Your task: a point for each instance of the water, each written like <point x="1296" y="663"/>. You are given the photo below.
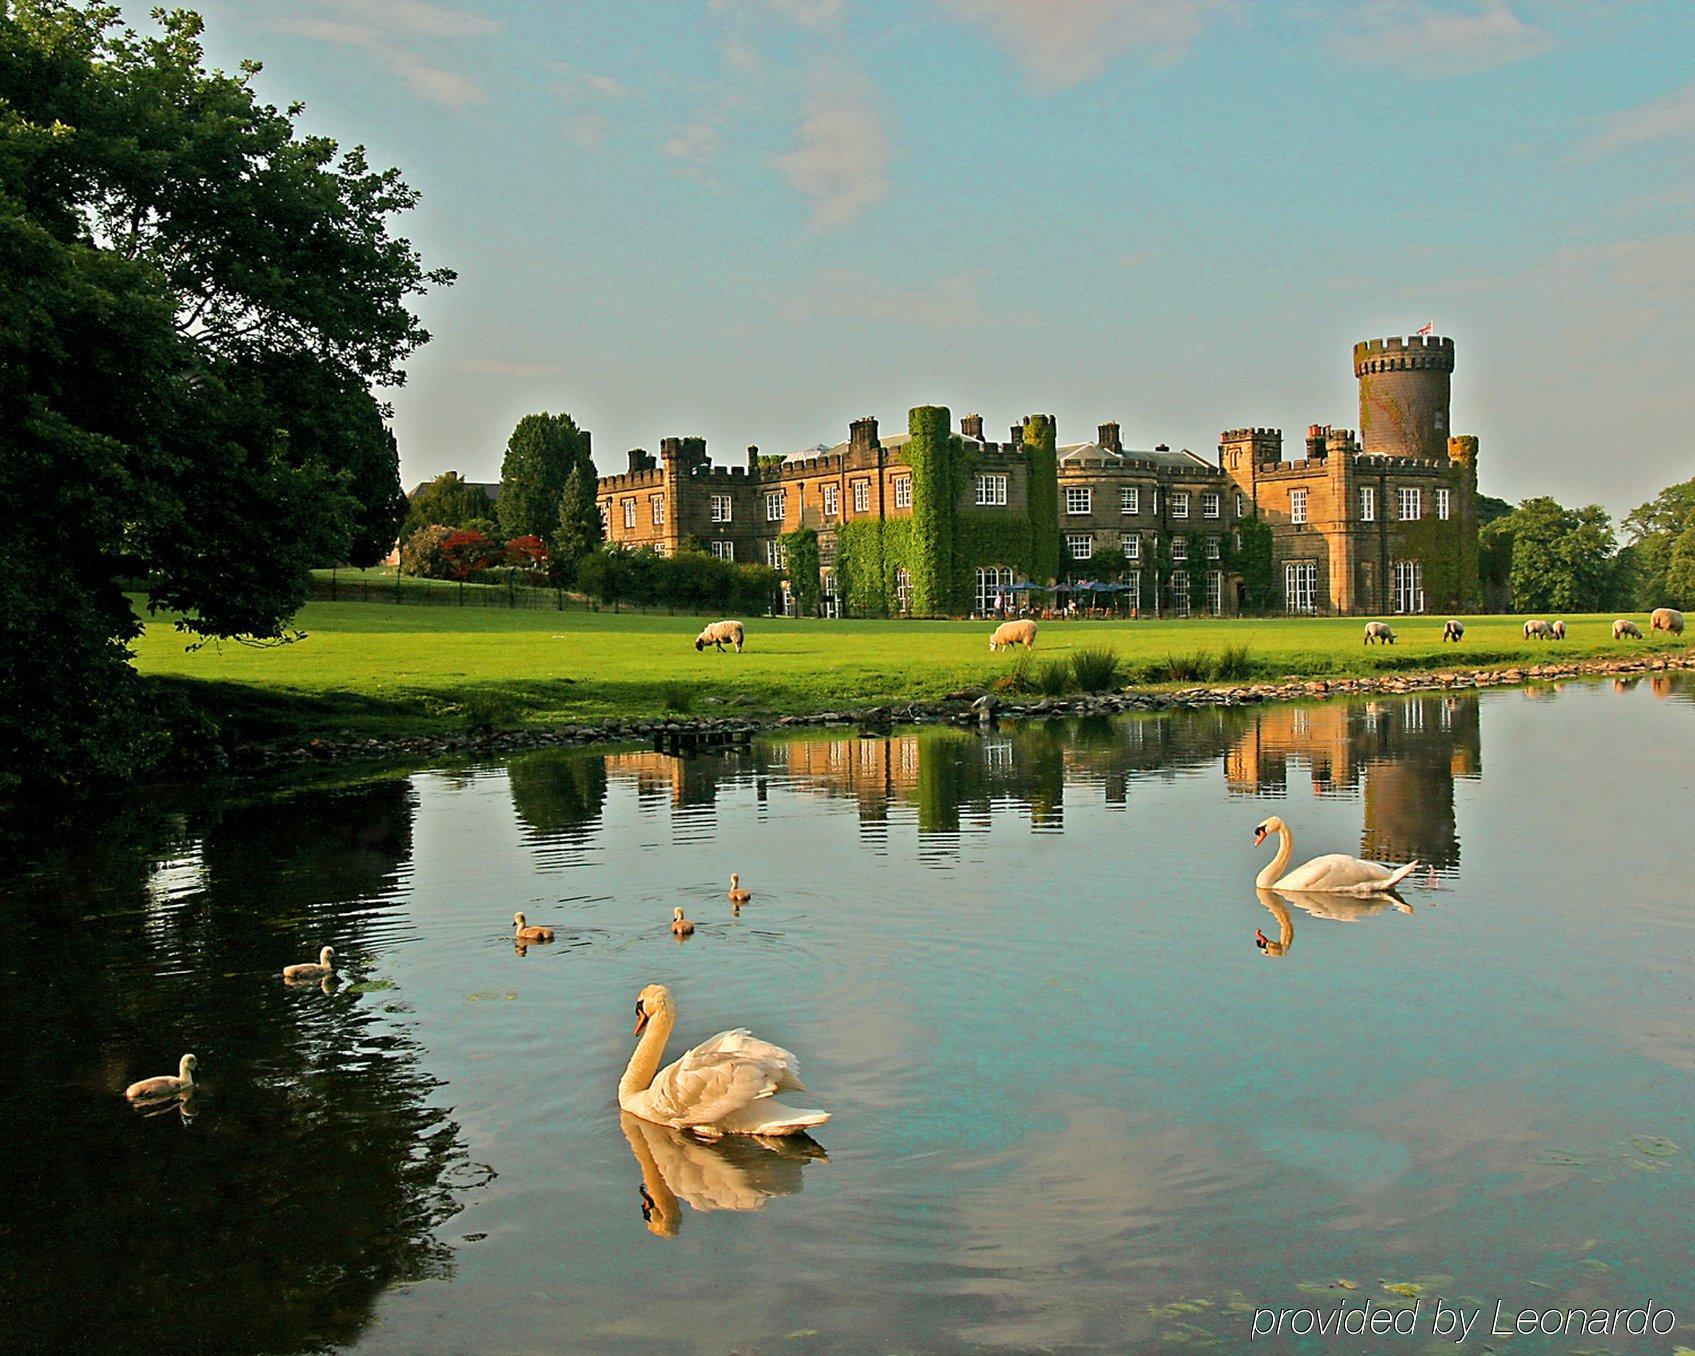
<point x="1075" y="1105"/>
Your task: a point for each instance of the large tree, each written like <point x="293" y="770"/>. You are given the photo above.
<point x="580" y="530"/>
<point x="446" y="501"/>
<point x="1563" y="560"/>
<point x="541" y="454"/>
<point x="195" y="301"/>
<point x="1655" y="529"/>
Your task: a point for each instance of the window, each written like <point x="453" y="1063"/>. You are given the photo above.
<point x="1215" y="549"/>
<point x="629" y="513"/>
<point x="1179" y="593"/>
<point x="1300" y="586"/>
<point x="1131" y="544"/>
<point x="1411" y="504"/>
<point x="832" y="500"/>
<point x="903" y="583"/>
<point x="1215" y="592"/>
<point x="991" y="491"/>
<point x="862" y="496"/>
<point x="720" y="508"/>
<point x="1368" y="503"/>
<point x="724" y="550"/>
<point x="903" y="491"/>
<point x="1079" y="499"/>
<point x="658" y="503"/>
<point x="1239" y="503"/>
<point x="1179" y="548"/>
<point x="994" y="587"/>
<point x="774" y="555"/>
<point x="1153" y="500"/>
<point x="1179" y="503"/>
<point x="1134" y="579"/>
<point x="1297" y="506"/>
<point x="827" y="549"/>
<point x="605" y="516"/>
<point x="1079" y="545"/>
<point x="1129" y="498"/>
<point x="774" y="504"/>
<point x="1444" y="504"/>
<point x="1409" y="586"/>
<point x="1212" y="504"/>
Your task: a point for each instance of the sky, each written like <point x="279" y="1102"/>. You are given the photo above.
<point x="756" y="220"/>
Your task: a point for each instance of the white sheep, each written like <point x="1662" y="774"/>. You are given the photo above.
<point x="1537" y="630"/>
<point x="719" y="634"/>
<point x="1623" y="627"/>
<point x="1667" y="619"/>
<point x="1453" y="630"/>
<point x="1380" y="632"/>
<point x="1557" y="631"/>
<point x="1012" y="633"/>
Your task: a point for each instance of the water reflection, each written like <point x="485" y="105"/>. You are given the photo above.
<point x="737" y="1172"/>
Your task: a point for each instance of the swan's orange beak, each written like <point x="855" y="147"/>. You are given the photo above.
<point x="641" y="1017"/>
<point x="1259" y="837"/>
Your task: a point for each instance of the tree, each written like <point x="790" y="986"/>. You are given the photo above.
<point x="423" y="555"/>
<point x="580" y="530"/>
<point x="1562" y="559"/>
<point x="1107" y="562"/>
<point x="530" y="555"/>
<point x="468" y="553"/>
<point x="540" y="455"/>
<point x="1679" y="588"/>
<point x="195" y="299"/>
<point x="449" y="501"/>
<point x="1654" y="529"/>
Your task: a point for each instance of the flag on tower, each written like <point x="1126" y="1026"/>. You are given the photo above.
<point x="1426" y="327"/>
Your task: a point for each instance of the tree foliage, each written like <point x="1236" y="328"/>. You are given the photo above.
<point x="579" y="529"/>
<point x="195" y="299"/>
<point x="800" y="554"/>
<point x="1656" y="530"/>
<point x="689" y="581"/>
<point x="1562" y="559"/>
<point x="449" y="501"/>
<point x="540" y="455"/>
<point x="1249" y="554"/>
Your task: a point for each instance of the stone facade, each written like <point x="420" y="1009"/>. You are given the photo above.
<point x="1389" y="526"/>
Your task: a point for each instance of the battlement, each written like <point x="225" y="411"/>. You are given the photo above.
<point x="648" y="478"/>
<point x="1426" y="352"/>
<point x="1244" y="435"/>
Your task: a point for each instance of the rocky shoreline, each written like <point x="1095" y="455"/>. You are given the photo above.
<point x="972" y="707"/>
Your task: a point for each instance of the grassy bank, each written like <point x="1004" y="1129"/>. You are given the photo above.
<point x="369" y="669"/>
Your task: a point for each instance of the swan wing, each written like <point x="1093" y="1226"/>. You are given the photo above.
<point x="1335" y="873"/>
<point x="720" y="1077"/>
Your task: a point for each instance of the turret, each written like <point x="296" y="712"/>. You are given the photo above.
<point x="1404" y="395"/>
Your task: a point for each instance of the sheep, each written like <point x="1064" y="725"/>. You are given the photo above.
<point x="1537" y="630"/>
<point x="1557" y="631"/>
<point x="1623" y="628"/>
<point x="718" y="634"/>
<point x="1667" y="619"/>
<point x="1380" y="632"/>
<point x="1011" y="633"/>
<point x="1453" y="630"/>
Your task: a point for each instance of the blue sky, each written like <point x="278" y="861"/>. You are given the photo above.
<point x="755" y="220"/>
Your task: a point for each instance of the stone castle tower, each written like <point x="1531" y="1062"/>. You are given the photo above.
<point x="1404" y="391"/>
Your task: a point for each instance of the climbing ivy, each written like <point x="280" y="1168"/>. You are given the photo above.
<point x="800" y="552"/>
<point x="1039" y="439"/>
<point x="869" y="556"/>
<point x="935" y="497"/>
<point x="1253" y="560"/>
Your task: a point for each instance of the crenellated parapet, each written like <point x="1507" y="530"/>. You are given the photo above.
<point x="1426" y="352"/>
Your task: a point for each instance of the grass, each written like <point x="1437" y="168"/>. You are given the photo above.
<point x="374" y="669"/>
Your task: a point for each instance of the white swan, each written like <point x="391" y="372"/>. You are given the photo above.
<point x="723" y="1086"/>
<point x="1333" y="874"/>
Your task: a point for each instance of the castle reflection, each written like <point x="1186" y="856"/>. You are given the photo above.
<point x="1399" y="757"/>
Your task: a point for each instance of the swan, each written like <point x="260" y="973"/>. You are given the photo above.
<point x="680" y="926"/>
<point x="723" y="1086"/>
<point x="1333" y="874"/>
<point x="728" y="1174"/>
<point x="321" y="969"/>
<point x="737" y="895"/>
<point x="165" y="1085"/>
<point x="526" y="932"/>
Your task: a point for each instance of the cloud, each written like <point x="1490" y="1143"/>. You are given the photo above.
<point x="1670" y="117"/>
<point x="861" y="298"/>
<point x="388" y="30"/>
<point x="1069" y="42"/>
<point x="842" y="162"/>
<point x="1431" y="42"/>
<point x="574" y="83"/>
<point x="696" y="143"/>
<point x="806" y="13"/>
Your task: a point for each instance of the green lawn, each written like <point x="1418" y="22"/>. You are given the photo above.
<point x="370" y="668"/>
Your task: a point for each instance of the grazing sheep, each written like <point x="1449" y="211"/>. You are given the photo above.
<point x="1012" y="633"/>
<point x="1623" y="628"/>
<point x="1557" y="631"/>
<point x="1380" y="632"/>
<point x="720" y="634"/>
<point x="1454" y="631"/>
<point x="1667" y="619"/>
<point x="1537" y="630"/>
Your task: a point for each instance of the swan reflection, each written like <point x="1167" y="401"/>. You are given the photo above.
<point x="1337" y="908"/>
<point x="1285" y="926"/>
<point x="737" y="1172"/>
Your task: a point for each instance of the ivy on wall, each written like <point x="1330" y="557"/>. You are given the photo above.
<point x="934" y="500"/>
<point x="1039" y="447"/>
<point x="869" y="556"/>
<point x="1253" y="560"/>
<point x="800" y="552"/>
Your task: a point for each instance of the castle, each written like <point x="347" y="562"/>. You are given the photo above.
<point x="934" y="522"/>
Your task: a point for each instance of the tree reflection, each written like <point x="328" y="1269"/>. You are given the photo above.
<point x="559" y="797"/>
<point x="310" y="1171"/>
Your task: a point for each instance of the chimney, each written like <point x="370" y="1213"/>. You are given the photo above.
<point x="1315" y="440"/>
<point x="1017" y="439"/>
<point x="752" y="458"/>
<point x="639" y="460"/>
<point x="1162" y="447"/>
<point x="1109" y="438"/>
<point x="862" y="436"/>
<point x="971" y="425"/>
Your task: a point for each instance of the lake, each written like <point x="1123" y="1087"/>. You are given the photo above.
<point x="1076" y="1104"/>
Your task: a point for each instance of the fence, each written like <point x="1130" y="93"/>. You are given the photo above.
<point x="438" y="593"/>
